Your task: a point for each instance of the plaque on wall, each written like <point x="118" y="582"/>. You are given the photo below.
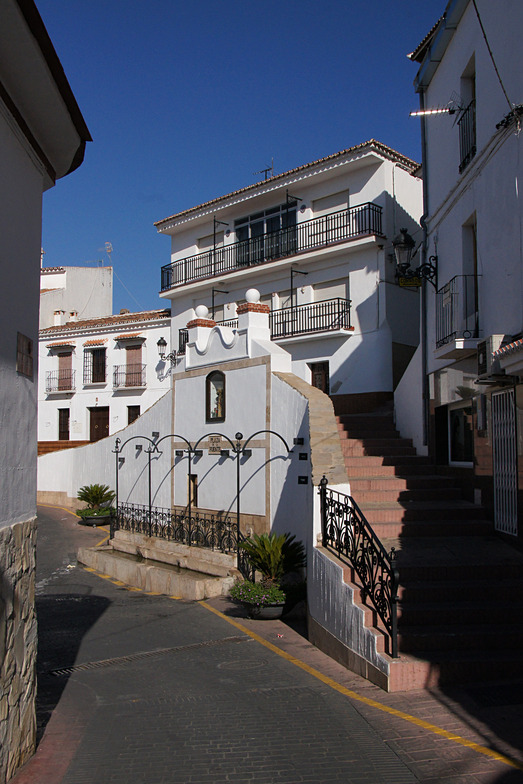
<point x="215" y="445"/>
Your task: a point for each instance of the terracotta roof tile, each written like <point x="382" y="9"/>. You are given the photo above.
<point x="64" y="344"/>
<point x="419" y="52"/>
<point x="45" y="270"/>
<point x="107" y="321"/>
<point x="510" y="348"/>
<point x="129" y="336"/>
<point x="372" y="145"/>
<point x="95" y="342"/>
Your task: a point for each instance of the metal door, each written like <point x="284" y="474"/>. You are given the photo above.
<point x="505" y="467"/>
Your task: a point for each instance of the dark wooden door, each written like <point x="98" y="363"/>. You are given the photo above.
<point x="63" y="424"/>
<point x="320" y="376"/>
<point x="99" y="423"/>
<point x="65" y="374"/>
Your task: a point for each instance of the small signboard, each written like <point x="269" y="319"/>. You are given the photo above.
<point x="215" y="445"/>
<point x="414" y="281"/>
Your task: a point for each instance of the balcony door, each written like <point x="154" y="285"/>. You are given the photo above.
<point x="65" y="365"/>
<point x="133" y="366"/>
<point x="266" y="235"/>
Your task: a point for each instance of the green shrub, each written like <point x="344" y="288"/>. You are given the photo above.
<point x="257" y="593"/>
<point x="274" y="555"/>
<point x="95" y="496"/>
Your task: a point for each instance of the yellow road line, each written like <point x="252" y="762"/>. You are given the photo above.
<point x="53" y="506"/>
<point x="372" y="703"/>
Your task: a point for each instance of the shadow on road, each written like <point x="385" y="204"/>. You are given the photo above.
<point x="63" y="620"/>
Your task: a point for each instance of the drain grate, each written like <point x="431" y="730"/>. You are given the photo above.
<point x="96" y="665"/>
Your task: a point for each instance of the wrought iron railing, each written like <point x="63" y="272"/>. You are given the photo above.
<point x="364" y="219"/>
<point x="467" y="135"/>
<point x="60" y="380"/>
<point x="457" y="311"/>
<point x="200" y="529"/>
<point x="346" y="531"/>
<point x="331" y="314"/>
<point x="129" y="376"/>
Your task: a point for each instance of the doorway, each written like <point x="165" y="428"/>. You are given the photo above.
<point x="99" y="423"/>
<point x="320" y="376"/>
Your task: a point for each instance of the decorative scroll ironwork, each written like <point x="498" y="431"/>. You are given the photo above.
<point x="346" y="531"/>
<point x="201" y="529"/>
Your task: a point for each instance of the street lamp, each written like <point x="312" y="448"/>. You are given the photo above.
<point x="403" y="245"/>
<point x="162" y="345"/>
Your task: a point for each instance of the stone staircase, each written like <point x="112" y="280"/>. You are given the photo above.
<point x="460" y="608"/>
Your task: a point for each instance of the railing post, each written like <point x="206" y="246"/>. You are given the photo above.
<point x="323" y="509"/>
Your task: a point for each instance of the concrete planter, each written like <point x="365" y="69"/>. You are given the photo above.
<point x="267" y="612"/>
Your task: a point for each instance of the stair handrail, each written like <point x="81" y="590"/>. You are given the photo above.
<point x="345" y="530"/>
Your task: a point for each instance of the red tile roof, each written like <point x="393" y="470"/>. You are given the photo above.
<point x="510" y="348"/>
<point x="372" y="145"/>
<point x="129" y="336"/>
<point x="107" y="321"/>
<point x="95" y="342"/>
<point x="419" y="52"/>
<point x="45" y="270"/>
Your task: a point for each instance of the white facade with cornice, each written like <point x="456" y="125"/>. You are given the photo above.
<point x="98" y="375"/>
<point x="316" y="242"/>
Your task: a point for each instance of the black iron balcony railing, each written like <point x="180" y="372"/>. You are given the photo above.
<point x="363" y="220"/>
<point x="457" y="312"/>
<point x="128" y="376"/>
<point x="60" y="380"/>
<point x="329" y="315"/>
<point x="467" y="135"/>
<point x="346" y="531"/>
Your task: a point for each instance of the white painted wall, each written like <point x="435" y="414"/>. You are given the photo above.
<point x="20" y="229"/>
<point x="85" y="291"/>
<point x="68" y="470"/>
<point x="408" y="404"/>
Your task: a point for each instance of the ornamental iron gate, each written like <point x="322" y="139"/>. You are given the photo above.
<point x="188" y="526"/>
<point x="505" y="462"/>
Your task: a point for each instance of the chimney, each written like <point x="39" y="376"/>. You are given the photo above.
<point x="59" y="318"/>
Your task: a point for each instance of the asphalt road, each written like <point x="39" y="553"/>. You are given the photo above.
<point x="144" y="689"/>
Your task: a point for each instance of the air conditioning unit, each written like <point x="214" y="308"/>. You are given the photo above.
<point x="487" y="364"/>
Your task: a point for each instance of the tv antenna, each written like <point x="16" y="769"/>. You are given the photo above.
<point x="454" y="106"/>
<point x="266" y="171"/>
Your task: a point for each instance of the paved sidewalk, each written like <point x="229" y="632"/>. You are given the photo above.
<point x="146" y="689"/>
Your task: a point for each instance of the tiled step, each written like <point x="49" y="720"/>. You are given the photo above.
<point x="460" y="638"/>
<point x="367" y="483"/>
<point x="373" y="467"/>
<point x="406" y="496"/>
<point x="420" y="511"/>
<point x="357" y="449"/>
<point x="415" y="464"/>
<point x="436" y="667"/>
<point x="461" y="612"/>
<point x="384" y="530"/>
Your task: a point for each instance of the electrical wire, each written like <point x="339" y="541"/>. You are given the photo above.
<point x="511" y="105"/>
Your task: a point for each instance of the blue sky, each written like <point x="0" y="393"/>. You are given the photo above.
<point x="185" y="101"/>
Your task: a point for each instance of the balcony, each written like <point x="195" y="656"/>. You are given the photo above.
<point x="363" y="220"/>
<point x="128" y="376"/>
<point x="457" y="317"/>
<point x="328" y="316"/>
<point x="60" y="381"/>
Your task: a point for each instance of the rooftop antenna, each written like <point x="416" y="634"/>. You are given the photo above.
<point x="109" y="250"/>
<point x="454" y="106"/>
<point x="266" y="171"/>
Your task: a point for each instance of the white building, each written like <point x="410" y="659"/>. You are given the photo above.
<point x="472" y="170"/>
<point x="99" y="375"/>
<point x="42" y="138"/>
<point x="316" y="242"/>
<point x="68" y="293"/>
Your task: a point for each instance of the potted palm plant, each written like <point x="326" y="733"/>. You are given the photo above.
<point x="274" y="556"/>
<point x="98" y="499"/>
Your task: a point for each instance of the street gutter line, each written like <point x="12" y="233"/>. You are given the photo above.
<point x="372" y="703"/>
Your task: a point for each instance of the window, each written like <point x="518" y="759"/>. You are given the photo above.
<point x="467" y="120"/>
<point x="24" y="355"/>
<point x="265" y="235"/>
<point x="95" y="366"/>
<point x="193" y="490"/>
<point x="133" y="412"/>
<point x="215" y="397"/>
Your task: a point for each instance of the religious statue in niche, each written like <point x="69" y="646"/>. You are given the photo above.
<point x="215" y="397"/>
